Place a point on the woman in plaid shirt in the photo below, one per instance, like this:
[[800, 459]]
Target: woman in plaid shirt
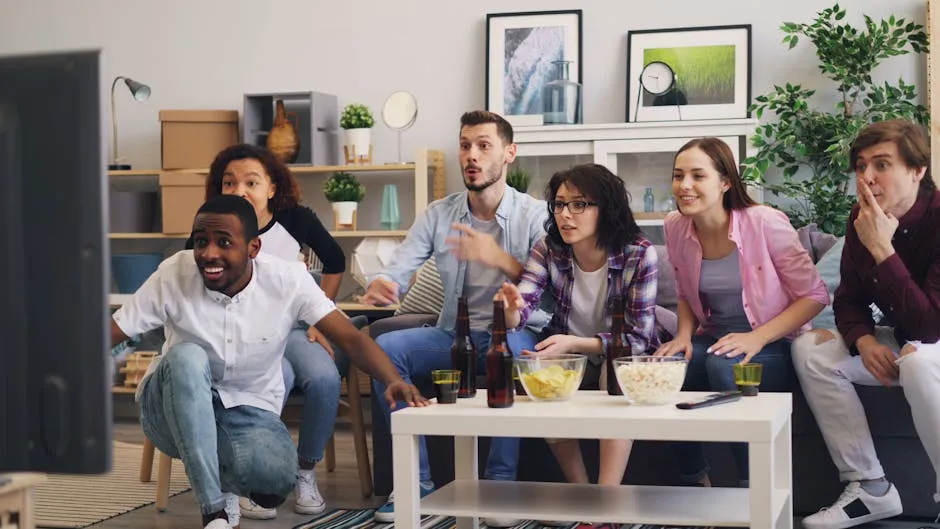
[[593, 245]]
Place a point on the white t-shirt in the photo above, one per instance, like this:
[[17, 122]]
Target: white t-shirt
[[276, 240], [244, 335], [481, 281], [588, 298]]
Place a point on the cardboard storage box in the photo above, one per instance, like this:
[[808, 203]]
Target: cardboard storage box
[[181, 194], [192, 138]]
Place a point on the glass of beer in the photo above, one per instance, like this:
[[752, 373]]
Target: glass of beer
[[747, 378], [446, 384]]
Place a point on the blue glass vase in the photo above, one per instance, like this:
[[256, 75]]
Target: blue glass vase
[[561, 98], [391, 217]]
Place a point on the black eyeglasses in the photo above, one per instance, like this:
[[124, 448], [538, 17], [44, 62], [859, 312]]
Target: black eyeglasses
[[575, 206]]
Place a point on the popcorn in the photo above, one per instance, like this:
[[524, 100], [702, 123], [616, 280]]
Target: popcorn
[[651, 382]]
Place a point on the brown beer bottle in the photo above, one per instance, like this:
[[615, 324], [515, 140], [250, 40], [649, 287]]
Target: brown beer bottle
[[463, 354], [617, 347], [499, 388]]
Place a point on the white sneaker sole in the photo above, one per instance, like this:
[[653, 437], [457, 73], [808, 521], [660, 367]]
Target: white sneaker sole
[[260, 515], [384, 517], [309, 509]]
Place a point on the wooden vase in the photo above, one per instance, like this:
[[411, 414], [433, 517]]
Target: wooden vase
[[283, 141]]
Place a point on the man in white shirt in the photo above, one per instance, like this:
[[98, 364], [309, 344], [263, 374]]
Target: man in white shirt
[[214, 398]]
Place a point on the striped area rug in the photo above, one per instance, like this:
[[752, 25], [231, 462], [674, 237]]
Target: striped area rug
[[78, 501], [362, 519]]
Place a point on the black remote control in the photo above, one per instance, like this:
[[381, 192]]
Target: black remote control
[[710, 400]]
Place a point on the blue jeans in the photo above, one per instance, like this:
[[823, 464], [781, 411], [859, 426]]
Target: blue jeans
[[417, 352], [243, 450], [308, 367], [708, 372]]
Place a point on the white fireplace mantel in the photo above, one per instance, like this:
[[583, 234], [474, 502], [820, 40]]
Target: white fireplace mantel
[[604, 141]]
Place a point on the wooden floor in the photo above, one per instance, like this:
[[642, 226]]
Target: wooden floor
[[340, 488]]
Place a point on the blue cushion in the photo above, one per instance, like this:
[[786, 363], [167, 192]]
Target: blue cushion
[[828, 266]]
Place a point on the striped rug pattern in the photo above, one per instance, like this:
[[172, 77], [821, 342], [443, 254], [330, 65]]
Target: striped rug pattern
[[73, 501], [362, 519]]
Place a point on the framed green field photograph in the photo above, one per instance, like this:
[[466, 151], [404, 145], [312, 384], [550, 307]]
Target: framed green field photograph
[[710, 70]]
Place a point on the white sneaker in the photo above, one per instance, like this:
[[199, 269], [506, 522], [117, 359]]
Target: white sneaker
[[501, 521], [218, 523], [232, 510], [855, 507], [307, 497], [253, 511]]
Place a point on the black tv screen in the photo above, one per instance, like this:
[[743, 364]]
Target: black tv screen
[[55, 374]]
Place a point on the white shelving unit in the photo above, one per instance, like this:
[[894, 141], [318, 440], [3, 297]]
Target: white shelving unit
[[603, 142]]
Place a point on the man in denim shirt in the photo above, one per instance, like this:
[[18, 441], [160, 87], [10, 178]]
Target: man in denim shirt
[[480, 238]]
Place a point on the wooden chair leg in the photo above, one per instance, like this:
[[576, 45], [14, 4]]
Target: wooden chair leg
[[359, 431], [146, 461], [163, 481], [331, 454]]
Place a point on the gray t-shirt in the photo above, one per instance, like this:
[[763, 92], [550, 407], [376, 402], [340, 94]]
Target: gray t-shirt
[[720, 286], [482, 282]]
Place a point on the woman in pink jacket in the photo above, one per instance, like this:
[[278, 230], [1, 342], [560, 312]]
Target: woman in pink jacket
[[746, 285]]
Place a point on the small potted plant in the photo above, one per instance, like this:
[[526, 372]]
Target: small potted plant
[[518, 179], [344, 192], [357, 122]]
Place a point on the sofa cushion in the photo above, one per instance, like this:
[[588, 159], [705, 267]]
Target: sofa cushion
[[426, 295], [666, 296]]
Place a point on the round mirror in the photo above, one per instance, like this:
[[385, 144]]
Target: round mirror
[[400, 110]]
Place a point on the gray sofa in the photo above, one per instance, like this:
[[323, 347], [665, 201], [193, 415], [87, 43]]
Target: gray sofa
[[816, 482]]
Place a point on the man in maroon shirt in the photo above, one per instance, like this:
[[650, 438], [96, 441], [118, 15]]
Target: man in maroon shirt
[[892, 260]]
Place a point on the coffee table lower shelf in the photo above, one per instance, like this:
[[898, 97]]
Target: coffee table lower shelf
[[683, 506]]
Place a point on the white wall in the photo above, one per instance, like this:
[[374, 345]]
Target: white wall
[[207, 53]]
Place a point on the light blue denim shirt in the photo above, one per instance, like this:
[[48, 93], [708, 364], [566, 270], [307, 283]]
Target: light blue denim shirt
[[521, 217]]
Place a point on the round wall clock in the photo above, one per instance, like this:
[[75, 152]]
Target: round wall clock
[[657, 78]]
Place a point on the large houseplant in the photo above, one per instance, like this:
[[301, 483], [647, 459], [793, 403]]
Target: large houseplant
[[344, 192], [819, 141], [357, 121]]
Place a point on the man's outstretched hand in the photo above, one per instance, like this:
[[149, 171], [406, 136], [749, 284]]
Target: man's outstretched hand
[[403, 391]]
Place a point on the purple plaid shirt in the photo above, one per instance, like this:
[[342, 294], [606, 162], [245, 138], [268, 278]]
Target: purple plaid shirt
[[631, 272]]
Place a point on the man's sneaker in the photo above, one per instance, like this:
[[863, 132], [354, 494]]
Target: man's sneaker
[[307, 498], [386, 513], [254, 511], [218, 523], [855, 507], [232, 510]]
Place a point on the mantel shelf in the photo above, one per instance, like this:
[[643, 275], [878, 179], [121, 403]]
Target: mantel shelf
[[296, 169]]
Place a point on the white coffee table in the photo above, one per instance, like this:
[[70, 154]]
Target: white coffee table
[[762, 421]]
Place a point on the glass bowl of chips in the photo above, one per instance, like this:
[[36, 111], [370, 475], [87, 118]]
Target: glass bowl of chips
[[550, 377]]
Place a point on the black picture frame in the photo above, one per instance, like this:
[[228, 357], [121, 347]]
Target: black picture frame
[[723, 94], [524, 95]]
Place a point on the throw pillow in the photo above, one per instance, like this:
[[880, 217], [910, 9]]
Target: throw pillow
[[426, 295], [828, 267]]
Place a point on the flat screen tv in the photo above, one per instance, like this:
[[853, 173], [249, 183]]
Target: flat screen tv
[[55, 374]]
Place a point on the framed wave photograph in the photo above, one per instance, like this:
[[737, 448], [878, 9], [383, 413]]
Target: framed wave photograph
[[708, 71], [522, 55]]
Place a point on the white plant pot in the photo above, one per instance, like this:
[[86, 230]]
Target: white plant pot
[[344, 213], [358, 141]]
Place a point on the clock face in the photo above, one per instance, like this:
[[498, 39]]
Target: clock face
[[657, 77]]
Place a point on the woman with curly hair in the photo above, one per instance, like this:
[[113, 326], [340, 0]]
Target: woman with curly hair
[[746, 285], [592, 246], [255, 174]]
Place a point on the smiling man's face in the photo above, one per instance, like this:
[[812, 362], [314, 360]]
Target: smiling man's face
[[222, 254]]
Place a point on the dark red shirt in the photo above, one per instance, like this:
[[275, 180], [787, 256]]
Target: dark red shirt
[[906, 286]]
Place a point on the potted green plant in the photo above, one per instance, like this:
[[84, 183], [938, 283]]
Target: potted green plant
[[518, 179], [811, 146], [357, 122], [344, 193]]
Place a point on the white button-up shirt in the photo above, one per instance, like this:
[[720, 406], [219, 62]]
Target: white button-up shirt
[[244, 335]]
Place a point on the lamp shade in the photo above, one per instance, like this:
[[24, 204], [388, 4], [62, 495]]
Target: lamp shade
[[140, 91]]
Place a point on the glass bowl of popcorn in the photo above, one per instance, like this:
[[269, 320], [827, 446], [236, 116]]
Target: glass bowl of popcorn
[[650, 379], [551, 377]]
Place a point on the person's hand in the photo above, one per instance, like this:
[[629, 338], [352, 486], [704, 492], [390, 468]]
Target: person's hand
[[403, 391], [381, 292], [555, 345], [512, 303], [878, 359], [874, 227], [738, 343], [674, 347], [473, 245], [316, 336]]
